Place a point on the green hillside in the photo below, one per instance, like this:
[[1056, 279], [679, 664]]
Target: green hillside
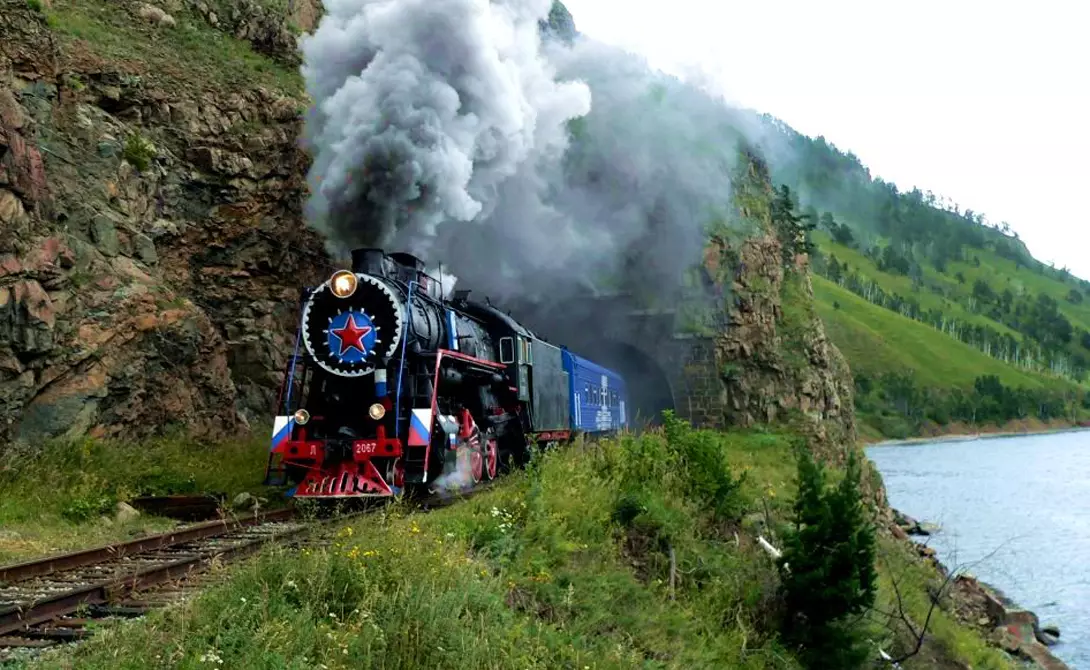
[[944, 320], [878, 340]]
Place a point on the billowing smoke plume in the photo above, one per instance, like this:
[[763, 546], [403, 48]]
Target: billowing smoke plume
[[423, 109], [530, 169]]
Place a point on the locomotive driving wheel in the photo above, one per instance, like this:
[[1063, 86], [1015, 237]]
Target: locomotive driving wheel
[[471, 460], [491, 456], [470, 457]]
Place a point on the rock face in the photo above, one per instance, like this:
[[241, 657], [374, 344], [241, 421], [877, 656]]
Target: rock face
[[151, 244], [775, 360]]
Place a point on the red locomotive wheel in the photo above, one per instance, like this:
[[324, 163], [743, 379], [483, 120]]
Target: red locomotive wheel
[[471, 461], [491, 458], [476, 461]]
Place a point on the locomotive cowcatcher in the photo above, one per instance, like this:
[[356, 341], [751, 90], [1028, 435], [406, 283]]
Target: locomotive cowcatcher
[[396, 386]]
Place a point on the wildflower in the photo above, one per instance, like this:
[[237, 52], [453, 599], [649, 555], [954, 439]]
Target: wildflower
[[211, 657]]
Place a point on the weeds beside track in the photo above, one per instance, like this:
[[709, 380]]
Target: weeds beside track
[[54, 599]]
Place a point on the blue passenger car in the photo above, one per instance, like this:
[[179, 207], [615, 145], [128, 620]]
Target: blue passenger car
[[597, 396]]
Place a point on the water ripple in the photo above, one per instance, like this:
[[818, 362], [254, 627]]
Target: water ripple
[[1017, 509]]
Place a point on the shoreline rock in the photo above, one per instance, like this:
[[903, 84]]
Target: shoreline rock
[[999, 620]]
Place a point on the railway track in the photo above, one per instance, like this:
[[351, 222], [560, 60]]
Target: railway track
[[58, 599]]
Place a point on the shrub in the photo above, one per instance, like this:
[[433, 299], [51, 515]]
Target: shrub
[[703, 460], [139, 151], [827, 568]]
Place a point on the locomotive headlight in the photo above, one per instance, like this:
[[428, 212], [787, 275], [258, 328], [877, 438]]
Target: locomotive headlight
[[376, 411], [302, 416], [343, 283]]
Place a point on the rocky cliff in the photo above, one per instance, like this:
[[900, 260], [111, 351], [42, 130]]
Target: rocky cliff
[[151, 245], [775, 360]]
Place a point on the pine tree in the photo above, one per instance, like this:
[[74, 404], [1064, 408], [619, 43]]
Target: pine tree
[[828, 567]]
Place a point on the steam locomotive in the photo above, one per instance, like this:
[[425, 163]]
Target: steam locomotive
[[397, 386]]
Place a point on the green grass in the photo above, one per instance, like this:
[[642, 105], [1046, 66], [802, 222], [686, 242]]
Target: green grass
[[956, 296], [877, 340], [61, 496], [564, 565], [1002, 274], [902, 285], [191, 53]]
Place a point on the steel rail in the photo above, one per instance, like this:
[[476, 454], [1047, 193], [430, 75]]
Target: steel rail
[[18, 617], [19, 572]]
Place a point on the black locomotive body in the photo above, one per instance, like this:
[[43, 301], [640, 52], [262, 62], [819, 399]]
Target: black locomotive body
[[396, 384]]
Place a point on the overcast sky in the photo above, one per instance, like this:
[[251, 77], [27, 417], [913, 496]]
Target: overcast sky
[[987, 103]]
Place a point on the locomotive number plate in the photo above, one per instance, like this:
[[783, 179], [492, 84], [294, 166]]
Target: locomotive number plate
[[365, 447]]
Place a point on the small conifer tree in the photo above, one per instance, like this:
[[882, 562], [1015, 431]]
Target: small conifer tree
[[827, 568]]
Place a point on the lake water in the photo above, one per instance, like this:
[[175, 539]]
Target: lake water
[[1017, 509]]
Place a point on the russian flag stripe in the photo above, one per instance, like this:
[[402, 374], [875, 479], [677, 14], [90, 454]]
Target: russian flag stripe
[[419, 427], [282, 426]]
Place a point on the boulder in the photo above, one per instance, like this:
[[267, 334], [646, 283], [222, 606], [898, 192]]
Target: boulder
[[125, 513], [144, 249], [243, 500], [11, 208]]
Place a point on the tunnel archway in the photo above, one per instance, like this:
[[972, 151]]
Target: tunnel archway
[[649, 391]]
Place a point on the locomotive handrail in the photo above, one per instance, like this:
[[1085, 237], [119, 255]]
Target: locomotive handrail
[[401, 365], [294, 363]]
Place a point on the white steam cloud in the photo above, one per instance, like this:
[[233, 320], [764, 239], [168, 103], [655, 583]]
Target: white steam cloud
[[528, 168], [423, 109]]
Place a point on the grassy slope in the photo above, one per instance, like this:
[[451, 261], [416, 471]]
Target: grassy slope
[[902, 285], [876, 340], [999, 272], [191, 53], [541, 572], [1002, 274]]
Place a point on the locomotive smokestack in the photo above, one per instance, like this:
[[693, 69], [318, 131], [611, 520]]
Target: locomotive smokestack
[[368, 261]]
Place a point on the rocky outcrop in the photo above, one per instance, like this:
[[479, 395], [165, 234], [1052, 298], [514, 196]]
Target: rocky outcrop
[[271, 29], [1015, 630], [151, 245], [776, 362]]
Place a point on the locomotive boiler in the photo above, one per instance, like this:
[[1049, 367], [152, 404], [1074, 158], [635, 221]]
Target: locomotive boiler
[[394, 384]]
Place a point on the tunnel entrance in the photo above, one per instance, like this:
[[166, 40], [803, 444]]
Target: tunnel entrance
[[649, 391]]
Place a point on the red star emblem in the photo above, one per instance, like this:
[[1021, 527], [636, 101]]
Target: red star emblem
[[351, 335]]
